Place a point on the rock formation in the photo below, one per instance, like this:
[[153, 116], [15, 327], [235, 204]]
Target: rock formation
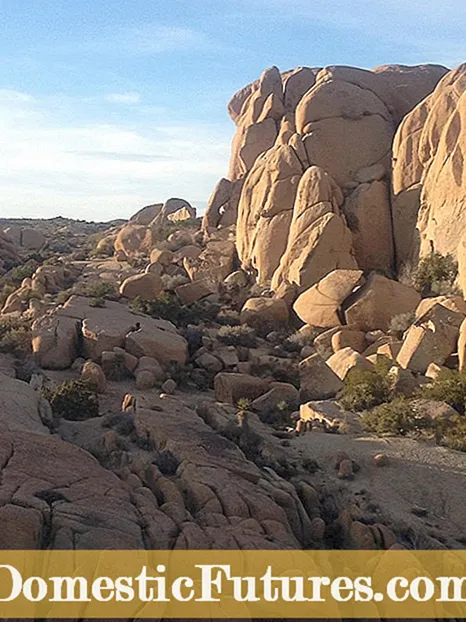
[[312, 151]]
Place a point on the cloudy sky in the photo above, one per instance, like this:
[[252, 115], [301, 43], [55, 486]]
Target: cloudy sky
[[108, 105]]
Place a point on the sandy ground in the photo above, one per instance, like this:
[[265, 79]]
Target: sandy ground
[[419, 475]]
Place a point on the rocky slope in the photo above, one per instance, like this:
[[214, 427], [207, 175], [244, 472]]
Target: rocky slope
[[172, 382]]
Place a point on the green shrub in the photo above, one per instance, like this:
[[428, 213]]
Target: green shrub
[[365, 389], [100, 290], [168, 307], [25, 271], [436, 273], [240, 335], [15, 336], [453, 435], [397, 418], [449, 387], [74, 400], [402, 416], [244, 403]]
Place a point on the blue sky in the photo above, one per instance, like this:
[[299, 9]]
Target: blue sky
[[107, 105]]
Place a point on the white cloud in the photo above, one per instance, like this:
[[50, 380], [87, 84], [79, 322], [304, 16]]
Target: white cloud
[[155, 39], [144, 40], [101, 170], [123, 98]]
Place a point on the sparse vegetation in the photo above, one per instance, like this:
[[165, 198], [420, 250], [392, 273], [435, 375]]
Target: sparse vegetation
[[168, 307], [363, 389], [397, 418], [436, 275], [403, 416], [244, 403], [15, 336], [75, 400], [100, 291], [453, 435], [297, 341], [240, 335], [449, 387]]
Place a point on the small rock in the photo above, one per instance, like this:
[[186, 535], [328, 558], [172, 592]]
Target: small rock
[[94, 375], [338, 459], [418, 511], [145, 379], [169, 386], [346, 470], [380, 460]]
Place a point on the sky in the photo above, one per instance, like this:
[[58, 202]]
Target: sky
[[110, 105]]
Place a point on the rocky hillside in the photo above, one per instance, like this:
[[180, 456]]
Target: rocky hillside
[[286, 371]]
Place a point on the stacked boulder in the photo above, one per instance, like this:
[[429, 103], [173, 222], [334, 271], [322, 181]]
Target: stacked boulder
[[144, 228], [429, 180], [309, 180]]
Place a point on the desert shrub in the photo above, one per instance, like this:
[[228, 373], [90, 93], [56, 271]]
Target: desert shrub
[[453, 435], [244, 403], [75, 400], [402, 416], [168, 307], [436, 273], [25, 271], [15, 336], [12, 279], [363, 389], [297, 341], [170, 282], [98, 292], [240, 335], [100, 289], [63, 296], [279, 416], [400, 323], [449, 387], [397, 418]]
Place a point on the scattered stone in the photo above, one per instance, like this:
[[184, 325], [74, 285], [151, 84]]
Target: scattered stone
[[345, 470], [380, 460], [145, 379], [169, 386], [92, 372]]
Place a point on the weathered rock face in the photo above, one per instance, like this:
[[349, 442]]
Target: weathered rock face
[[431, 339], [378, 301], [79, 329], [428, 178], [339, 123], [26, 238], [321, 304], [20, 406], [367, 212], [265, 210], [318, 241], [148, 286]]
